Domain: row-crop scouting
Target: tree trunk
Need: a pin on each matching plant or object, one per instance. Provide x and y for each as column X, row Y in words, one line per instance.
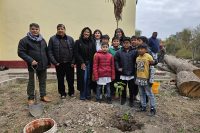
column 188, row 76
column 178, row 65
column 188, row 84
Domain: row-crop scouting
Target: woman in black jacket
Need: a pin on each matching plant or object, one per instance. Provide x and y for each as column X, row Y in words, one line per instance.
column 84, row 51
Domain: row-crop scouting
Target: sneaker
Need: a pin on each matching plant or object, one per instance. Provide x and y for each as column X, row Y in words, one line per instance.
column 98, row 100
column 63, row 97
column 45, row 99
column 72, row 95
column 30, row 102
column 142, row 109
column 109, row 101
column 152, row 112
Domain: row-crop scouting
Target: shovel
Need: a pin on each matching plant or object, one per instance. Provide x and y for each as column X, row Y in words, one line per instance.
column 35, row 109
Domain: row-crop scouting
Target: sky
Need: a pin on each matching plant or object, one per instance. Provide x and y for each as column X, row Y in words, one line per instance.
column 166, row 16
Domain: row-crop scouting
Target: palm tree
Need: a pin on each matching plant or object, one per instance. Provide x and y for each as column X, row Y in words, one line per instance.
column 118, row 8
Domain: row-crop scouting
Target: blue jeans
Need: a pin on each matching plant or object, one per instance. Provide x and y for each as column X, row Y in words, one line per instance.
column 99, row 87
column 86, row 92
column 146, row 90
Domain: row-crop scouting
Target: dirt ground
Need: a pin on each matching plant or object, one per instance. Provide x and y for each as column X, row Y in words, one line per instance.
column 175, row 113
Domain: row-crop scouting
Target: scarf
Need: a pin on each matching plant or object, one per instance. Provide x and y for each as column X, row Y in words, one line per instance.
column 35, row 38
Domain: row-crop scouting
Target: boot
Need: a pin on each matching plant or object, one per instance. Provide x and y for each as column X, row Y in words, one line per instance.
column 30, row 102
column 45, row 99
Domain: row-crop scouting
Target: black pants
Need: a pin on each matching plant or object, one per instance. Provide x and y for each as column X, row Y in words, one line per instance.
column 65, row 69
column 132, row 90
column 42, row 76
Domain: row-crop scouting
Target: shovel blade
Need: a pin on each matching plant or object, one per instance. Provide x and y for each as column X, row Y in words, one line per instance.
column 36, row 110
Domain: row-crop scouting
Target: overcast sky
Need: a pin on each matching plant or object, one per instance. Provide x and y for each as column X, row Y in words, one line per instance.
column 166, row 16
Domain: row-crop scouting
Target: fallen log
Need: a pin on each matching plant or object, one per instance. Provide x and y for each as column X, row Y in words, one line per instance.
column 188, row 84
column 178, row 65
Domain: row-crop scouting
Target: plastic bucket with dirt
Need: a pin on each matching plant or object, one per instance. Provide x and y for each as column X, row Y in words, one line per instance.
column 155, row 87
column 43, row 125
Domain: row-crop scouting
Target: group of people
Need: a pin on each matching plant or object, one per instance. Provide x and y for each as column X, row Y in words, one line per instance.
column 127, row 60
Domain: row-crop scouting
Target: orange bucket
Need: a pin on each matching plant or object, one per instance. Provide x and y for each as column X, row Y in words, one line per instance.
column 155, row 87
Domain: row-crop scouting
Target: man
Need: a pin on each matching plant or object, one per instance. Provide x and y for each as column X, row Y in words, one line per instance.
column 33, row 50
column 60, row 50
column 154, row 45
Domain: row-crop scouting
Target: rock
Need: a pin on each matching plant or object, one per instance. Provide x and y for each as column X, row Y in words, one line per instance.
column 90, row 123
column 67, row 123
column 90, row 109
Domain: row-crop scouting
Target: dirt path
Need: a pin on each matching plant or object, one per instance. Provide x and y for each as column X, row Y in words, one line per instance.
column 175, row 113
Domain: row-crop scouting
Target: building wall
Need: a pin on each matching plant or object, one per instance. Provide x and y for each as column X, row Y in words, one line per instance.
column 16, row 15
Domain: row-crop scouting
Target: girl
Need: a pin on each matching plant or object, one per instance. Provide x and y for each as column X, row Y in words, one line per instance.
column 120, row 34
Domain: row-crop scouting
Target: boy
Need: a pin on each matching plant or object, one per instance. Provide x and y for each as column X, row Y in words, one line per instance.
column 105, row 39
column 125, row 63
column 134, row 42
column 113, row 49
column 143, row 61
column 103, row 71
column 33, row 50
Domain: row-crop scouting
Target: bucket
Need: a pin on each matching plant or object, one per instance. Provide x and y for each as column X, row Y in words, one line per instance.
column 155, row 87
column 43, row 125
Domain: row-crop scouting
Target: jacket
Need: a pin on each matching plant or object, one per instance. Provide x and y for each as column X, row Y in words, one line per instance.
column 126, row 61
column 84, row 51
column 30, row 50
column 154, row 44
column 54, row 49
column 113, row 51
column 103, row 65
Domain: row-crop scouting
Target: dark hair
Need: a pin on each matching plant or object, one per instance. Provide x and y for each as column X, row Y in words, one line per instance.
column 144, row 39
column 105, row 37
column 97, row 30
column 102, row 44
column 34, row 25
column 83, row 30
column 126, row 39
column 60, row 25
column 142, row 46
column 119, row 29
column 115, row 38
column 133, row 37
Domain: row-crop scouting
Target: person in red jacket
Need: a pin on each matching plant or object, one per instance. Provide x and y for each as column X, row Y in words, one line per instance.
column 103, row 71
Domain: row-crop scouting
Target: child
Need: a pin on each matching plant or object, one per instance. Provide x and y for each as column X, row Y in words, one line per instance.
column 143, row 62
column 125, row 63
column 105, row 39
column 103, row 71
column 134, row 42
column 144, row 40
column 113, row 49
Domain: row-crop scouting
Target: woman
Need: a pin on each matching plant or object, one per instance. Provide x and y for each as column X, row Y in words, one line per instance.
column 97, row 38
column 84, row 51
column 120, row 34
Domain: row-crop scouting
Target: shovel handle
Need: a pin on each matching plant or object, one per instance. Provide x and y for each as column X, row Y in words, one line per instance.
column 34, row 67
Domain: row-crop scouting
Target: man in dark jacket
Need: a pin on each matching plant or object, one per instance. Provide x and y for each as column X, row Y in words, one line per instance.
column 125, row 63
column 60, row 50
column 33, row 50
column 154, row 45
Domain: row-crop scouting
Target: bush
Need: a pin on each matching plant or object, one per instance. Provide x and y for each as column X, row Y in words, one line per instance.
column 184, row 53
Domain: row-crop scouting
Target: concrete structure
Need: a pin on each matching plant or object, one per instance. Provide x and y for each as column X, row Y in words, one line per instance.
column 16, row 15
